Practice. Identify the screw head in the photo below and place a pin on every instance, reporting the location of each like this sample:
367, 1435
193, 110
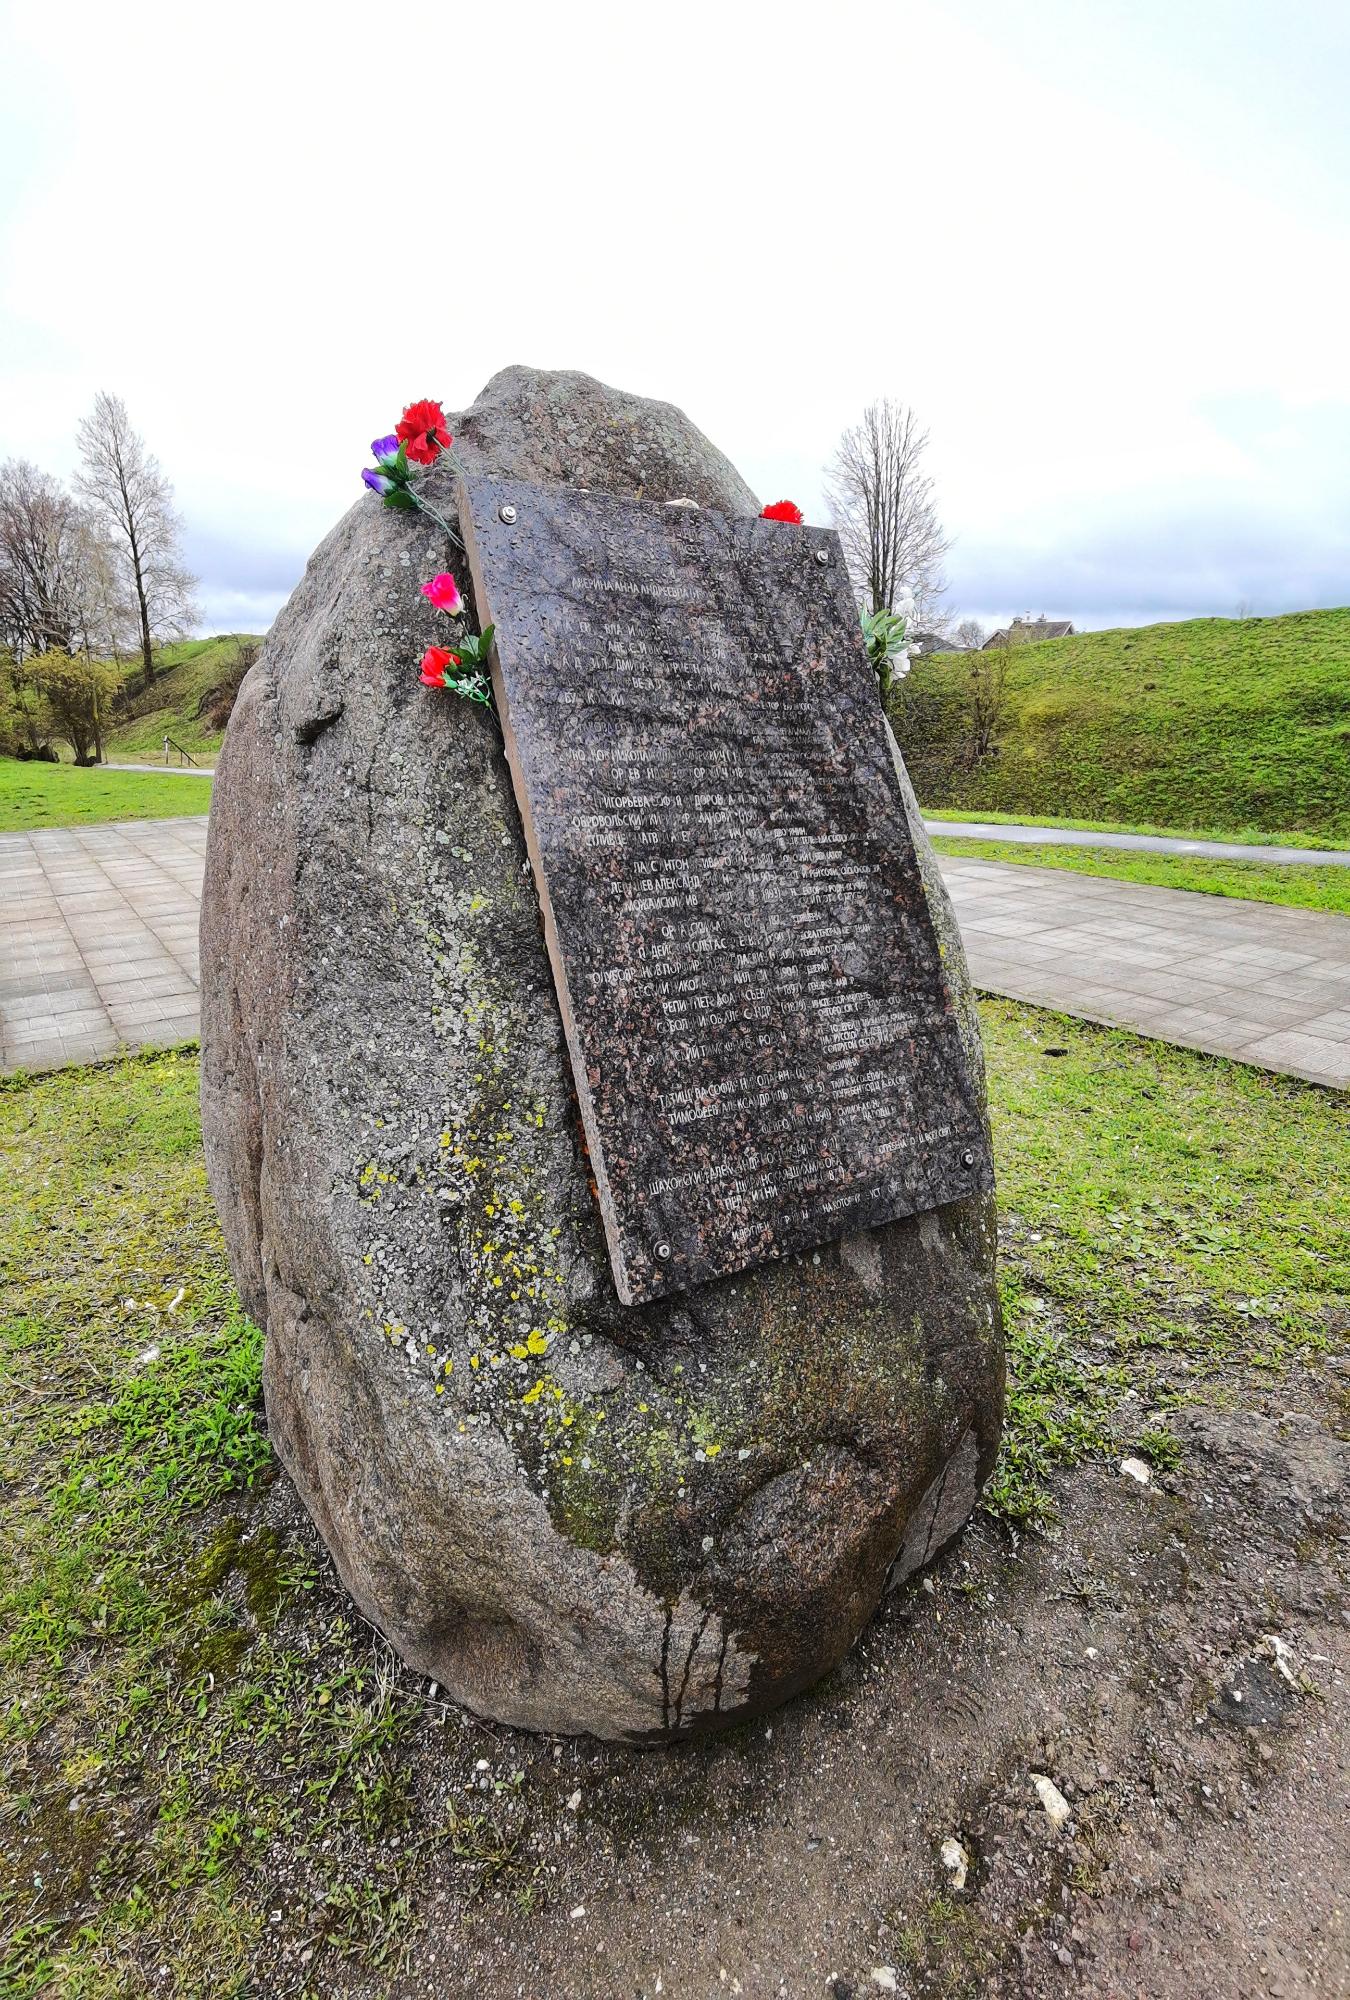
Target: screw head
506, 513
967, 1158
823, 558
663, 1251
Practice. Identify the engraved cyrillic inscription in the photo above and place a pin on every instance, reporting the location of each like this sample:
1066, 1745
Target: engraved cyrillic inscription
762, 1034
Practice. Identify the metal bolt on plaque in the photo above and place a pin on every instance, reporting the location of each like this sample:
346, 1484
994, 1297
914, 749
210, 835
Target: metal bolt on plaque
507, 514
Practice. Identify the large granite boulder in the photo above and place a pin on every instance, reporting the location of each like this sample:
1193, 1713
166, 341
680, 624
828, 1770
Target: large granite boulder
699, 1510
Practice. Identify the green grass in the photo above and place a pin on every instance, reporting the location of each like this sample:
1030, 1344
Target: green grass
36, 795
198, 1729
187, 675
1168, 1219
1300, 885
1233, 725
187, 1696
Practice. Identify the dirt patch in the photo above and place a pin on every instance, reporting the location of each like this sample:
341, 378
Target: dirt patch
1130, 1657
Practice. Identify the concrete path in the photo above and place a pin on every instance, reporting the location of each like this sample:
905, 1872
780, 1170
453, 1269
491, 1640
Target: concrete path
98, 939
98, 950
171, 770
1148, 843
1263, 984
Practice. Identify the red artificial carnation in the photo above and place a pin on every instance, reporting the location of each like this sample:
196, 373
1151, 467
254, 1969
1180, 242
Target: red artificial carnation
781, 510
422, 432
435, 660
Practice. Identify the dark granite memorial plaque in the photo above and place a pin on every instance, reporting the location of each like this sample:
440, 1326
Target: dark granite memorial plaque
763, 1039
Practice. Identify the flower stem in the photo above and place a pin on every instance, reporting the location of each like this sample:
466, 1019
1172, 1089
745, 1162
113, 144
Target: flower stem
427, 508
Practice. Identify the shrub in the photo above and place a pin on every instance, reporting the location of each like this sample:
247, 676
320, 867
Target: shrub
76, 695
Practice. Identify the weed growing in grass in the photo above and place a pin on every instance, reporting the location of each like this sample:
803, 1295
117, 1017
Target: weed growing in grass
948, 1949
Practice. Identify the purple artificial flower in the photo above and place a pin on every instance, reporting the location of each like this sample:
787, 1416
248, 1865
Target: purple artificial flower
376, 481
386, 447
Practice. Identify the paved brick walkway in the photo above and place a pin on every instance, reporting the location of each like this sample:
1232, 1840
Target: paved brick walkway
98, 950
1264, 984
98, 939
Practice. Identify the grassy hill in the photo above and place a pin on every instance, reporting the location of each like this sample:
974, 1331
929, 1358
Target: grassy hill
175, 702
1235, 726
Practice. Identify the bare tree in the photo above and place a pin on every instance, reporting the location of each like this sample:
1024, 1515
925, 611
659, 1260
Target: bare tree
127, 489
41, 548
986, 703
881, 501
103, 619
969, 635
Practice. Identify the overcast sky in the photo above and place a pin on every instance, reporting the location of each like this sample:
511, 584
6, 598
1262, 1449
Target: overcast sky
1103, 249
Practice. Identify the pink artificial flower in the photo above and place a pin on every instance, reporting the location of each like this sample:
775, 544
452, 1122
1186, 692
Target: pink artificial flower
443, 592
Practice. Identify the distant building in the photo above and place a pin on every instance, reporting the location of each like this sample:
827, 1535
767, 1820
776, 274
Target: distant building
919, 643
1026, 631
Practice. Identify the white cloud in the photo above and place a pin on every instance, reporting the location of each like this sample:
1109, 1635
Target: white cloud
265, 228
